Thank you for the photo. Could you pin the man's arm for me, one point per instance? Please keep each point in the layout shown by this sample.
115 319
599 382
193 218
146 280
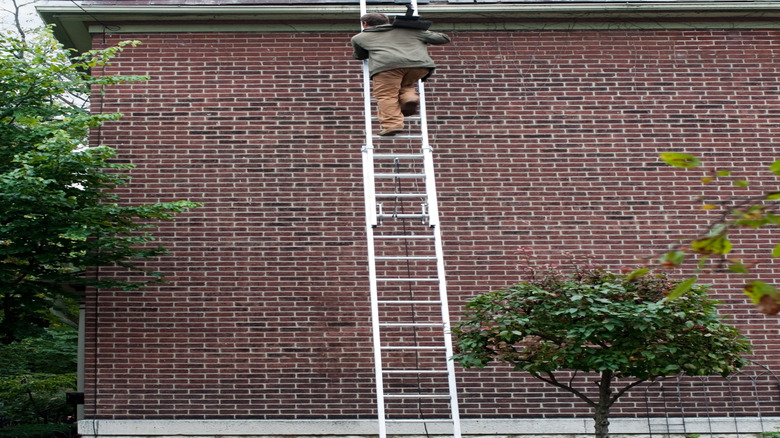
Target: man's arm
358 52
435 37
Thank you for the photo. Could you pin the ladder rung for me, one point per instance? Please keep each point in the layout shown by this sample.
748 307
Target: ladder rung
406 236
400 195
409 302
415 347
411 324
418 420
415 371
390 137
402 216
408 279
417 395
406 257
399 175
393 156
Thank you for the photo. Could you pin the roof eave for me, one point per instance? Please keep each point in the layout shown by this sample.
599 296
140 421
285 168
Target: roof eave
74 24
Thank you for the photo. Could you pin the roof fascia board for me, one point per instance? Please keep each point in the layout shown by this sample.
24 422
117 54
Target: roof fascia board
74 24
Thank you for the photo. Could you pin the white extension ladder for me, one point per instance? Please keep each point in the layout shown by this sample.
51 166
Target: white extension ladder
415 377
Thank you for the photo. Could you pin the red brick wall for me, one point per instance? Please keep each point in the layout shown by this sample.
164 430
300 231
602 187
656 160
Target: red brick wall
543 139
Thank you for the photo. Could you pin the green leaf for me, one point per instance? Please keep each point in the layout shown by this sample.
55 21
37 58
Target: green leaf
673 258
776 251
757 289
741 183
671 368
677 159
717 230
713 245
637 273
772 196
772 219
682 288
775 167
738 267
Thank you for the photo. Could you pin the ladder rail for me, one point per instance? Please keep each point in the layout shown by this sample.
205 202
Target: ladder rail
371 222
368 149
377 339
430 179
447 327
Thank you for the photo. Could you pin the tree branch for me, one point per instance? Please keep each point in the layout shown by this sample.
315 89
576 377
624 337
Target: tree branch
622 391
553 381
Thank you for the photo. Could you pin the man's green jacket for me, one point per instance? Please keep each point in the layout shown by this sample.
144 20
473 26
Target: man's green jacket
387 47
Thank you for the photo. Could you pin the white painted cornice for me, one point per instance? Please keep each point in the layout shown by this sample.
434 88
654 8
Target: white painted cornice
74 24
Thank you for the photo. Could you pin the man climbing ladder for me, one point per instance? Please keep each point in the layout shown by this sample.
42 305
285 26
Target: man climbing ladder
397 58
415 379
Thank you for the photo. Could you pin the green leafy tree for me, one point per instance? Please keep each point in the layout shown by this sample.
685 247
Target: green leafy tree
35 374
619 326
58 215
736 213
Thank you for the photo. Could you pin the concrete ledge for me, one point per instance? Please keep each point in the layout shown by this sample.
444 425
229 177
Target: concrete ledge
496 428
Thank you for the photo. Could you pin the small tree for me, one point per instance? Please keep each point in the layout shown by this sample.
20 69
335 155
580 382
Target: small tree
616 325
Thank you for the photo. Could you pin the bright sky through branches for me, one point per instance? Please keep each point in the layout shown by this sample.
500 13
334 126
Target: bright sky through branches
30 18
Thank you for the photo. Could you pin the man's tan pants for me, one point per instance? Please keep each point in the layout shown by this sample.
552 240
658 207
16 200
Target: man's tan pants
392 89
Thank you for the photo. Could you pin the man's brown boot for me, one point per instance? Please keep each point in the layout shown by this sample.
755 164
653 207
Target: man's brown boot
390 131
410 108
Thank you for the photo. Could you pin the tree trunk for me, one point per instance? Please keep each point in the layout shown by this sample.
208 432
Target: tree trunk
601 416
